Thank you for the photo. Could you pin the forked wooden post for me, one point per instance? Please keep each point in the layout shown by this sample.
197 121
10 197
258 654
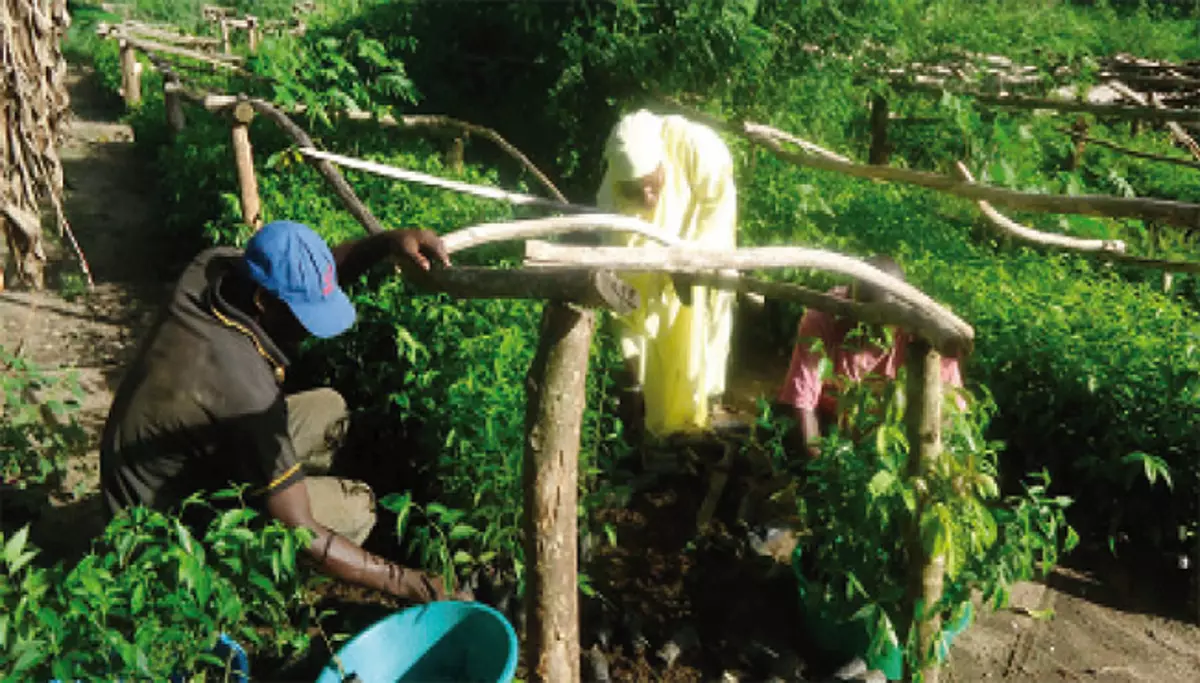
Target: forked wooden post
243 157
556 390
131 75
924 423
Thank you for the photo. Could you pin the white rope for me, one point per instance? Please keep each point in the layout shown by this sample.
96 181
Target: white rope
592 220
434 181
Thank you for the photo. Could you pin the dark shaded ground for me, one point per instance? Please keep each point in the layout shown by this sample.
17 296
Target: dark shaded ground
665 585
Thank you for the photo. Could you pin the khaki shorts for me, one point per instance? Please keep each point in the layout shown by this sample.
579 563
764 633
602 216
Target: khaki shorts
317 422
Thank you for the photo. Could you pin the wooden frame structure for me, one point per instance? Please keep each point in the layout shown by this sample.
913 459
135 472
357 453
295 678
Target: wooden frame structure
575 280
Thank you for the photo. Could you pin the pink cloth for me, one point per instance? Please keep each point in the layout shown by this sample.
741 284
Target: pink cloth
802 388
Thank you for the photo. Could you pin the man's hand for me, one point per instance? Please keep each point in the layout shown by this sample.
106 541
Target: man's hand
421 586
414 585
418 247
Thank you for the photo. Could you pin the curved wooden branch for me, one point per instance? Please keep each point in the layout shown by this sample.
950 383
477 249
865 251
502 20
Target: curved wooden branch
1011 228
341 188
932 321
510 231
1126 150
878 314
1181 214
586 287
439 121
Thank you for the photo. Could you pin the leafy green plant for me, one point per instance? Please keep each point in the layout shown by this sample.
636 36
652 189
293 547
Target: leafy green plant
1090 361
858 502
150 599
330 73
38 430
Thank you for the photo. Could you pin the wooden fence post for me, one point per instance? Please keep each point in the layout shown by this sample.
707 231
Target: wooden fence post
243 157
252 32
556 394
224 36
131 75
173 103
924 426
1080 130
880 150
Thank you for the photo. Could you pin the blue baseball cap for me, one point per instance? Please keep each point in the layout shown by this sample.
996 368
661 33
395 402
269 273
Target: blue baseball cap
295 265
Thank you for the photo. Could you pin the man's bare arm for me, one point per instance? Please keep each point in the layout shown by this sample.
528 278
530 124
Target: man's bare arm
414 249
339 557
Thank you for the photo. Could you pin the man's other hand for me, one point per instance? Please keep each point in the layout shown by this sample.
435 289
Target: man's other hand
418 247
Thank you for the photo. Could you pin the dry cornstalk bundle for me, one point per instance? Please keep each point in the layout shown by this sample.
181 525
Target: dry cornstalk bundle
33 111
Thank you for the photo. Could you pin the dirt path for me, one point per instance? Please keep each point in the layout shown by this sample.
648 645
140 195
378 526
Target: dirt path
1105 627
63 328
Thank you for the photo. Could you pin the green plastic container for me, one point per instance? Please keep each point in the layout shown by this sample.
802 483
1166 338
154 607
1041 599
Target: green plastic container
851 639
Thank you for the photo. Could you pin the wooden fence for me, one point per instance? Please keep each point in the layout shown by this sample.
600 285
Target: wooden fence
575 280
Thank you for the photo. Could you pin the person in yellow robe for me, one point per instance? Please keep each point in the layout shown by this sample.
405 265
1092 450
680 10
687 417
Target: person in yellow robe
678 176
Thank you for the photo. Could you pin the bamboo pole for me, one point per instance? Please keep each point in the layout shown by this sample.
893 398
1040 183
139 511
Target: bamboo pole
924 425
131 75
243 114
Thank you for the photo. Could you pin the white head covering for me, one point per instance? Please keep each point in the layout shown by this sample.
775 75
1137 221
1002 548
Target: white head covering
635 147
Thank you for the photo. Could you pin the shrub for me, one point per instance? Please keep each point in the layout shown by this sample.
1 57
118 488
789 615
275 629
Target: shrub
150 599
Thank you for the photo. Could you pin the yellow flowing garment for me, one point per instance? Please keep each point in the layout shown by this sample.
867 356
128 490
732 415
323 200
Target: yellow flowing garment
682 350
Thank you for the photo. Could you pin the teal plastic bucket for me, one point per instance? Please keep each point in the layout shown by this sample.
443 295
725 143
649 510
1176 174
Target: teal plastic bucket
441 642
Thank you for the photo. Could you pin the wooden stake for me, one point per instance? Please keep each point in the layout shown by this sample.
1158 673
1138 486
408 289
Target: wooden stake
131 75
173 103
556 389
243 113
454 154
880 149
252 32
224 36
924 423
1079 133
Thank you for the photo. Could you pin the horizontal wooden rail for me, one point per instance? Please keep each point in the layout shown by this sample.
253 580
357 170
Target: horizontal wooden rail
1181 214
924 316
